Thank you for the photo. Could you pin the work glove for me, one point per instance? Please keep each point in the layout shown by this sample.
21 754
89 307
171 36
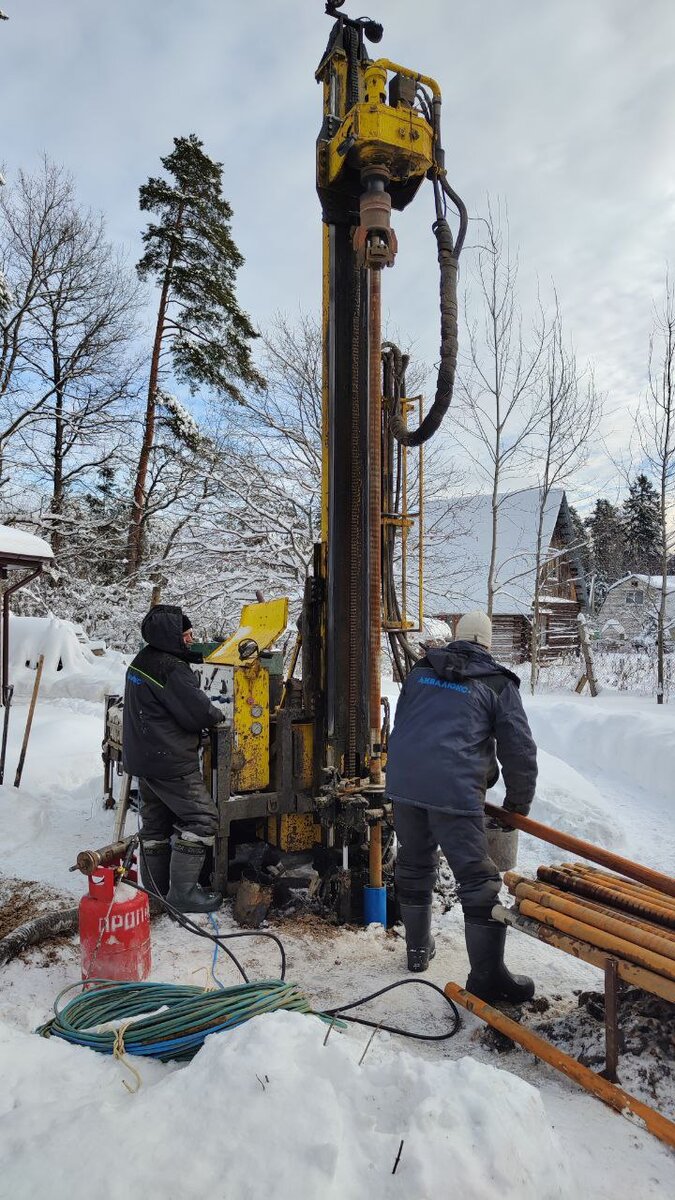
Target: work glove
515 806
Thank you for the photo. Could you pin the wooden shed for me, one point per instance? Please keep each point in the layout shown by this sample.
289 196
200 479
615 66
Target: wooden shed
457 572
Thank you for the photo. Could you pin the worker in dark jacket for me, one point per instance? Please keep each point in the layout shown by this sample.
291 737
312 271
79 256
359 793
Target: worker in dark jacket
165 712
455 706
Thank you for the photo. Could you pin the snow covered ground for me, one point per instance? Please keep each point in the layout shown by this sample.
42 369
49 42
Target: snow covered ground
474 1122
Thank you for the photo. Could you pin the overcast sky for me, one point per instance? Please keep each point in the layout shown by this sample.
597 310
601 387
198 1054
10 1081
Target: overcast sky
564 108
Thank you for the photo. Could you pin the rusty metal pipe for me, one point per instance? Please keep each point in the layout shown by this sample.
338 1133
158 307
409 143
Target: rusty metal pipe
596 891
597 937
630 887
513 880
581 912
621 1101
375 519
615 862
375 855
637 977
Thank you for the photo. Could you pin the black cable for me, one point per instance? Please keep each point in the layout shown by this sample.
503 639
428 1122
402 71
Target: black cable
405 1033
183 920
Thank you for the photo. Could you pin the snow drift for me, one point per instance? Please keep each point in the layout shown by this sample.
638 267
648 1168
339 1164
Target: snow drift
269 1110
70 669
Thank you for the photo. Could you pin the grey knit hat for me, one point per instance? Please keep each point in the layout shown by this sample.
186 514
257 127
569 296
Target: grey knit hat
475 627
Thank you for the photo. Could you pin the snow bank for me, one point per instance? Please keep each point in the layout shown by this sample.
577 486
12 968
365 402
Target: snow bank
615 736
269 1110
70 669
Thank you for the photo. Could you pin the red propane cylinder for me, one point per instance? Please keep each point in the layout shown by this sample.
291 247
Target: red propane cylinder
114 929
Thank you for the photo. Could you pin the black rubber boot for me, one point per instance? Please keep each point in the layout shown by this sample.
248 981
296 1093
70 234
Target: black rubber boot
489 978
185 892
419 942
154 861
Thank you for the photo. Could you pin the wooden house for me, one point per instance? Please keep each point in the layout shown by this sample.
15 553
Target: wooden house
629 610
457 563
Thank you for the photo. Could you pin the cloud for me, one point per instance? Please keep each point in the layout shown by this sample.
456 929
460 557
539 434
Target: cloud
565 109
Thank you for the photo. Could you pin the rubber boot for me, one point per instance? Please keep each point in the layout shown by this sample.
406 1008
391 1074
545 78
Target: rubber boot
419 942
185 892
154 861
489 978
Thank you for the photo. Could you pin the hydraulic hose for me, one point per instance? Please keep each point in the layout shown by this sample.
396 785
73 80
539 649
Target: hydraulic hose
448 263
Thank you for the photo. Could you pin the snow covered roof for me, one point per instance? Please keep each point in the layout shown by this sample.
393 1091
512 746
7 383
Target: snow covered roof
457 563
653 582
16 543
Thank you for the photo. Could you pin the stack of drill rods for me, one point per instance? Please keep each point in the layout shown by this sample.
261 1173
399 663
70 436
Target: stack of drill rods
639 902
628 888
628 972
639 944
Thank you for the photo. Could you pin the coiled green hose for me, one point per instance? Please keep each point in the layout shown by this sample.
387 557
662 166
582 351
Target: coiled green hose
167 1021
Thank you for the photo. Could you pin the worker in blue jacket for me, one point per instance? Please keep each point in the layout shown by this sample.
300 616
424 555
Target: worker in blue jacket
456 706
165 713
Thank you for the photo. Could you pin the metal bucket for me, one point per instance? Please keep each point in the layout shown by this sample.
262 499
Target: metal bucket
502 845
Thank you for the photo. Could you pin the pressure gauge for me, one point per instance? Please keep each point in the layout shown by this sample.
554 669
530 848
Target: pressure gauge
256 728
256 710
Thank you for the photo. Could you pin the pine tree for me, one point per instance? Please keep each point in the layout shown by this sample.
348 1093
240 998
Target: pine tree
642 527
191 256
606 531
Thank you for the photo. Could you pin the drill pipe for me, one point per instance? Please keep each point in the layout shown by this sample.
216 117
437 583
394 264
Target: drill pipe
615 862
637 977
629 887
512 880
375 519
597 891
622 1102
578 910
597 937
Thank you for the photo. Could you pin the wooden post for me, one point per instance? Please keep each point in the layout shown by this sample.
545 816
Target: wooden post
29 720
122 807
7 701
589 673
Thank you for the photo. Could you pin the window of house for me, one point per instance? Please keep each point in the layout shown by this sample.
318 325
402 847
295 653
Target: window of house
636 597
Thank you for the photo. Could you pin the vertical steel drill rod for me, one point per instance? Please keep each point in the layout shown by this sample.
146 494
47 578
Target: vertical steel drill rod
375 516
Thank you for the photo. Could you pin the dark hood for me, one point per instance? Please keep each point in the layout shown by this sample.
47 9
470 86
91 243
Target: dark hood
162 629
466 660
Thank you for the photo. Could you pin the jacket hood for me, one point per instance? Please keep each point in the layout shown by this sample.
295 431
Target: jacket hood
162 628
466 660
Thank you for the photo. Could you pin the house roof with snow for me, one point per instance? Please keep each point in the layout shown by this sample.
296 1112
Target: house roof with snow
458 551
651 582
19 548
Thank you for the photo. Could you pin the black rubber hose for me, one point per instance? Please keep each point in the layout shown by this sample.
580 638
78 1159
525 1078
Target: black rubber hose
447 261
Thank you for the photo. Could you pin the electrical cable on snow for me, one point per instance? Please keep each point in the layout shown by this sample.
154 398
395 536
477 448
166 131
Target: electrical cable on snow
194 1013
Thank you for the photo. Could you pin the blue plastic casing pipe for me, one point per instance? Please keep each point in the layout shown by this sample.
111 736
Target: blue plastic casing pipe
375 906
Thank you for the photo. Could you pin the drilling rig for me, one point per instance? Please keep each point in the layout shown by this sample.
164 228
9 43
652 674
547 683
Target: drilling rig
299 763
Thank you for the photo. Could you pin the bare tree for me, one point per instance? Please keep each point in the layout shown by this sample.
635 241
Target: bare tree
500 403
66 364
656 431
33 231
571 413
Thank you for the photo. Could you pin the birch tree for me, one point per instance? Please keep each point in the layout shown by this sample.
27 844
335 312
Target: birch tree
500 402
656 430
571 413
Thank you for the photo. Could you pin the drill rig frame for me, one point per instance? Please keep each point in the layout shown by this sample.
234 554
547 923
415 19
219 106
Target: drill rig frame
299 762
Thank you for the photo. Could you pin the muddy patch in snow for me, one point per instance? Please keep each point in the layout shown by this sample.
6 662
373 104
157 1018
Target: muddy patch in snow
22 900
